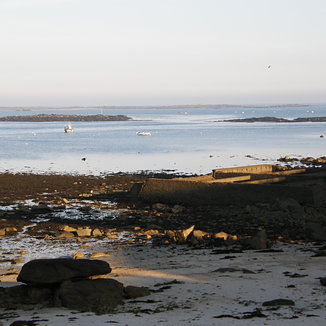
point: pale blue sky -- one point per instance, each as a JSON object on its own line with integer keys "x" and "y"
{"x": 158, "y": 52}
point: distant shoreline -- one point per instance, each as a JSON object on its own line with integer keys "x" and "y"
{"x": 64, "y": 117}
{"x": 277, "y": 120}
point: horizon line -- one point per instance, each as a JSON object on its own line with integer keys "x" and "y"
{"x": 157, "y": 106}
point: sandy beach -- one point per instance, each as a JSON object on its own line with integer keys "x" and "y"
{"x": 200, "y": 287}
{"x": 214, "y": 282}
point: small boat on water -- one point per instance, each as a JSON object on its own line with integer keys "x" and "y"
{"x": 143, "y": 133}
{"x": 68, "y": 129}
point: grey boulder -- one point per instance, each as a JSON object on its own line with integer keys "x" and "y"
{"x": 53, "y": 271}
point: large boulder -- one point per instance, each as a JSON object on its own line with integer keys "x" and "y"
{"x": 100, "y": 296}
{"x": 52, "y": 271}
{"x": 20, "y": 295}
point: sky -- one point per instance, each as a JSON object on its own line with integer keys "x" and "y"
{"x": 162, "y": 52}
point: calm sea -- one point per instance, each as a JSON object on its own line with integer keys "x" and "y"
{"x": 185, "y": 140}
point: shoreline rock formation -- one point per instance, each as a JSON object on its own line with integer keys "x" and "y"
{"x": 64, "y": 117}
{"x": 278, "y": 120}
{"x": 64, "y": 282}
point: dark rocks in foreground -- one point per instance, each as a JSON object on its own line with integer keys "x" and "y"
{"x": 64, "y": 117}
{"x": 51, "y": 271}
{"x": 65, "y": 283}
{"x": 279, "y": 302}
{"x": 100, "y": 296}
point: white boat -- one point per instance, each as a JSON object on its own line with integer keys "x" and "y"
{"x": 68, "y": 129}
{"x": 143, "y": 133}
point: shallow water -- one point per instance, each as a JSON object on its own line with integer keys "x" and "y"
{"x": 188, "y": 140}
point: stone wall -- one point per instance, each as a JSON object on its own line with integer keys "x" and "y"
{"x": 197, "y": 193}
{"x": 250, "y": 169}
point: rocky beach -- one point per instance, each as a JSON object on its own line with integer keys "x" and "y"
{"x": 194, "y": 264}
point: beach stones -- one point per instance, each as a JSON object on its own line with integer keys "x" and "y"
{"x": 257, "y": 242}
{"x": 51, "y": 271}
{"x": 100, "y": 296}
{"x": 279, "y": 302}
{"x": 132, "y": 292}
{"x": 64, "y": 282}
{"x": 323, "y": 281}
{"x": 67, "y": 228}
{"x": 20, "y": 295}
{"x": 84, "y": 232}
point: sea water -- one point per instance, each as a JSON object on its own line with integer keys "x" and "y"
{"x": 183, "y": 140}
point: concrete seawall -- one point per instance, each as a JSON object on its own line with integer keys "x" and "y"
{"x": 198, "y": 193}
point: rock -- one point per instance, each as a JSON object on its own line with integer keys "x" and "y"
{"x": 51, "y": 271}
{"x": 307, "y": 160}
{"x": 67, "y": 228}
{"x": 177, "y": 209}
{"x": 257, "y": 242}
{"x": 320, "y": 253}
{"x": 111, "y": 235}
{"x": 132, "y": 292}
{"x": 84, "y": 232}
{"x": 232, "y": 270}
{"x": 199, "y": 235}
{"x": 184, "y": 234}
{"x": 99, "y": 254}
{"x": 323, "y": 281}
{"x": 18, "y": 260}
{"x": 321, "y": 160}
{"x": 279, "y": 302}
{"x": 15, "y": 296}
{"x": 151, "y": 232}
{"x": 78, "y": 255}
{"x": 97, "y": 233}
{"x": 42, "y": 208}
{"x": 179, "y": 235}
{"x": 11, "y": 229}
{"x": 100, "y": 296}
{"x": 221, "y": 235}
{"x": 65, "y": 235}
{"x": 171, "y": 235}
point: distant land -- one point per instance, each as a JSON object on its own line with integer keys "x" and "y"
{"x": 279, "y": 120}
{"x": 185, "y": 106}
{"x": 64, "y": 117}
